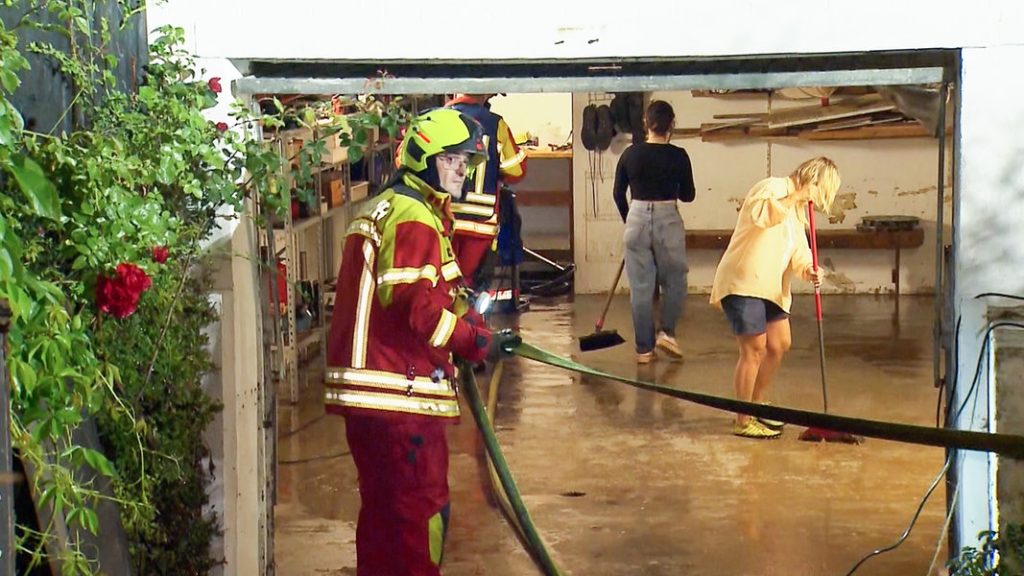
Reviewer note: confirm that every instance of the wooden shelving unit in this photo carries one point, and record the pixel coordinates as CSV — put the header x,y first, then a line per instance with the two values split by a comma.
x,y
307,247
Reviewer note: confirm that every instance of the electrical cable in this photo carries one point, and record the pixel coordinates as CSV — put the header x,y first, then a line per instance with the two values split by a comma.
x,y
952,387
945,530
288,433
910,526
999,295
981,358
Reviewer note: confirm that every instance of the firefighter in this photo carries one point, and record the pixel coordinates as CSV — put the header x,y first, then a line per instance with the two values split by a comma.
x,y
476,210
399,317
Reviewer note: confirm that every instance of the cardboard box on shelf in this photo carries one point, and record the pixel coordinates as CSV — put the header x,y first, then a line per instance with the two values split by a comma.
x,y
336,153
359,191
332,188
292,146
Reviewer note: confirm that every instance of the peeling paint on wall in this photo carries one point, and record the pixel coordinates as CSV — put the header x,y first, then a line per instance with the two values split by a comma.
x,y
925,190
837,279
841,281
843,202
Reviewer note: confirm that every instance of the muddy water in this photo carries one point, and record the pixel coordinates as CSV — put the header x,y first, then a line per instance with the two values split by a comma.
x,y
621,481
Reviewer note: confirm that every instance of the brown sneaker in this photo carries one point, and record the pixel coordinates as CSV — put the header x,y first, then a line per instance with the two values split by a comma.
x,y
645,357
668,345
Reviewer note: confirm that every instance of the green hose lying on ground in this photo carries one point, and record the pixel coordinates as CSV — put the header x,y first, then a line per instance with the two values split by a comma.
x,y
509,494
1003,444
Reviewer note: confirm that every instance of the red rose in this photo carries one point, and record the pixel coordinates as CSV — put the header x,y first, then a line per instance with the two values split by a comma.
x,y
133,277
119,296
214,84
160,254
222,126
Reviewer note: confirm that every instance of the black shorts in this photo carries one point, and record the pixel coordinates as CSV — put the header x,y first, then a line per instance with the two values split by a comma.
x,y
748,315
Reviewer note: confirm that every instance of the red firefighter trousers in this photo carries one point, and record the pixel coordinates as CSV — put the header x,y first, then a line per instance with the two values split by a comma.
x,y
403,484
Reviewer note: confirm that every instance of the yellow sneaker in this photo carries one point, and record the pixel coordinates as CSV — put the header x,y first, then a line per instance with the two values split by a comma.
x,y
669,345
645,357
756,430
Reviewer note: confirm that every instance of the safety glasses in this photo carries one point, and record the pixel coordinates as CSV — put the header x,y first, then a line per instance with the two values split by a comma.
x,y
454,161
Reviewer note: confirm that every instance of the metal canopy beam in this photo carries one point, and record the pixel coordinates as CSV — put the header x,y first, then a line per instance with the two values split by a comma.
x,y
751,80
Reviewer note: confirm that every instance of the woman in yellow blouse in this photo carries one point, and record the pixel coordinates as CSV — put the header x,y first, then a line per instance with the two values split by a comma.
x,y
752,282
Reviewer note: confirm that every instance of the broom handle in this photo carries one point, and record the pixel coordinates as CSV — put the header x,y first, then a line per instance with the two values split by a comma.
x,y
817,303
611,294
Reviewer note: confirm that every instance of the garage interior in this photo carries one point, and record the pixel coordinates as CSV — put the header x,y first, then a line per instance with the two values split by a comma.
x,y
620,481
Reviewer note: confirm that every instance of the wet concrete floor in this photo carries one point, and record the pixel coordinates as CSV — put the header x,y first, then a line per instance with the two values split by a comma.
x,y
621,481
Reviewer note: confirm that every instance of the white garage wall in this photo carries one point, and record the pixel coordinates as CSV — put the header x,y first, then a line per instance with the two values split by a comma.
x,y
893,176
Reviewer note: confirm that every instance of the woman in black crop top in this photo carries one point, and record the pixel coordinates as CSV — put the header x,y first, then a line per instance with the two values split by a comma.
x,y
657,174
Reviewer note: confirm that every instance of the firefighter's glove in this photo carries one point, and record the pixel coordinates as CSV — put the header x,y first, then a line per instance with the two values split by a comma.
x,y
463,302
502,343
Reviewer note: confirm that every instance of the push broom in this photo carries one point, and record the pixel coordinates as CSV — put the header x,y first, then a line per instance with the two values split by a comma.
x,y
601,338
820,434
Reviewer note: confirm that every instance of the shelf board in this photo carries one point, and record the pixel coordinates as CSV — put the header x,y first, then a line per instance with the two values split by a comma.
x,y
547,154
300,225
326,166
332,212
303,223
309,337
304,339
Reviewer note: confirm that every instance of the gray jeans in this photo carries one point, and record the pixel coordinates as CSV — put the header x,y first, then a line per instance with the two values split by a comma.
x,y
655,256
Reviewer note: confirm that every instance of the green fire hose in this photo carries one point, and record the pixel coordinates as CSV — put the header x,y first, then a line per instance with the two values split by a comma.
x,y
508,495
1003,444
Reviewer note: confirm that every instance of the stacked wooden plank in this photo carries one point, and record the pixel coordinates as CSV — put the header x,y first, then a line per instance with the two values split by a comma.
x,y
863,117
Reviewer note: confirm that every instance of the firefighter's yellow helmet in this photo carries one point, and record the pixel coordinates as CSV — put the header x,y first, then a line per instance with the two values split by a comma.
x,y
441,130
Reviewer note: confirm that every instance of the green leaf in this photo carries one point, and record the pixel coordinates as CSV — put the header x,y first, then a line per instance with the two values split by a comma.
x,y
98,461
355,154
41,193
6,264
24,375
9,80
91,521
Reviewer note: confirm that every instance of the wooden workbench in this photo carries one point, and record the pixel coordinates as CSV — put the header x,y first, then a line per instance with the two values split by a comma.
x,y
831,240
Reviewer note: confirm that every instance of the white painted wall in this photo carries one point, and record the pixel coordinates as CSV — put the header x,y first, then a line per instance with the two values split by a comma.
x,y
989,241
896,176
547,116
577,29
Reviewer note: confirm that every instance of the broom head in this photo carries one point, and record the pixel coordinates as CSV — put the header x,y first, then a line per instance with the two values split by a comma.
x,y
600,339
822,435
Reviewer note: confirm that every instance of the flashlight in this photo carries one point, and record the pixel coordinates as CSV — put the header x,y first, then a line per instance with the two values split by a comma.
x,y
483,303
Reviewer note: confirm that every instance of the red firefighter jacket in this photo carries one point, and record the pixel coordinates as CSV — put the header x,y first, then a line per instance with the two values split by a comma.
x,y
394,327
